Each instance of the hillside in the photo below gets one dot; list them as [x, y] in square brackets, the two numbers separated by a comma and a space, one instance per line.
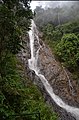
[39, 61]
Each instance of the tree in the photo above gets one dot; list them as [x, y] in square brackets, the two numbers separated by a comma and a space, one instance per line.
[48, 31]
[68, 50]
[15, 19]
[58, 12]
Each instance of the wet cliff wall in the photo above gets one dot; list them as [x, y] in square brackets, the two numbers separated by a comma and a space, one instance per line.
[56, 75]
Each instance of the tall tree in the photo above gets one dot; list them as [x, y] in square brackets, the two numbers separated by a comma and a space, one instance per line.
[15, 19]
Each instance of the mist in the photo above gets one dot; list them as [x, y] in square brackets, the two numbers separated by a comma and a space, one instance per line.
[55, 12]
[51, 4]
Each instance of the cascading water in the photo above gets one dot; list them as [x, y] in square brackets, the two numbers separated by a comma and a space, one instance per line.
[33, 66]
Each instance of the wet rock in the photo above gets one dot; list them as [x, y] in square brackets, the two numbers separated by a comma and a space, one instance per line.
[58, 77]
[55, 75]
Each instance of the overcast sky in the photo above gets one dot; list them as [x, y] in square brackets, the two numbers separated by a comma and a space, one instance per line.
[37, 3]
[48, 3]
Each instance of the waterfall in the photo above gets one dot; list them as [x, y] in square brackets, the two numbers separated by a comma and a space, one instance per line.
[32, 62]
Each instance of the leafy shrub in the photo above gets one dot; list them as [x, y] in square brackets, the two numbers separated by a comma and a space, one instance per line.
[70, 27]
[18, 95]
[48, 31]
[57, 35]
[68, 50]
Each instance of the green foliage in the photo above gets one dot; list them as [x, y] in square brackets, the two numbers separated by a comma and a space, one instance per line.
[55, 33]
[68, 50]
[19, 96]
[51, 35]
[48, 30]
[78, 35]
[70, 27]
[15, 20]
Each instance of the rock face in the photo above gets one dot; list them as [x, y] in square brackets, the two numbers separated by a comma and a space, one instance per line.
[59, 78]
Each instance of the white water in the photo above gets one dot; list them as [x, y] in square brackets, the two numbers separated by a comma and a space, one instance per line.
[33, 66]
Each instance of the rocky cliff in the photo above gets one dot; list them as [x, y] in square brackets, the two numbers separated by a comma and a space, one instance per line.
[59, 78]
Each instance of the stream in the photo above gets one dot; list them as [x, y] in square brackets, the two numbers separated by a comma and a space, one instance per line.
[33, 65]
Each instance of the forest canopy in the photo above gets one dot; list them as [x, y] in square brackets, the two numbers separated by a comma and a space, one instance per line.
[57, 13]
[59, 25]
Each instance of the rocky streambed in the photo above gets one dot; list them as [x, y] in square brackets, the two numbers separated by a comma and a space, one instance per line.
[59, 78]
